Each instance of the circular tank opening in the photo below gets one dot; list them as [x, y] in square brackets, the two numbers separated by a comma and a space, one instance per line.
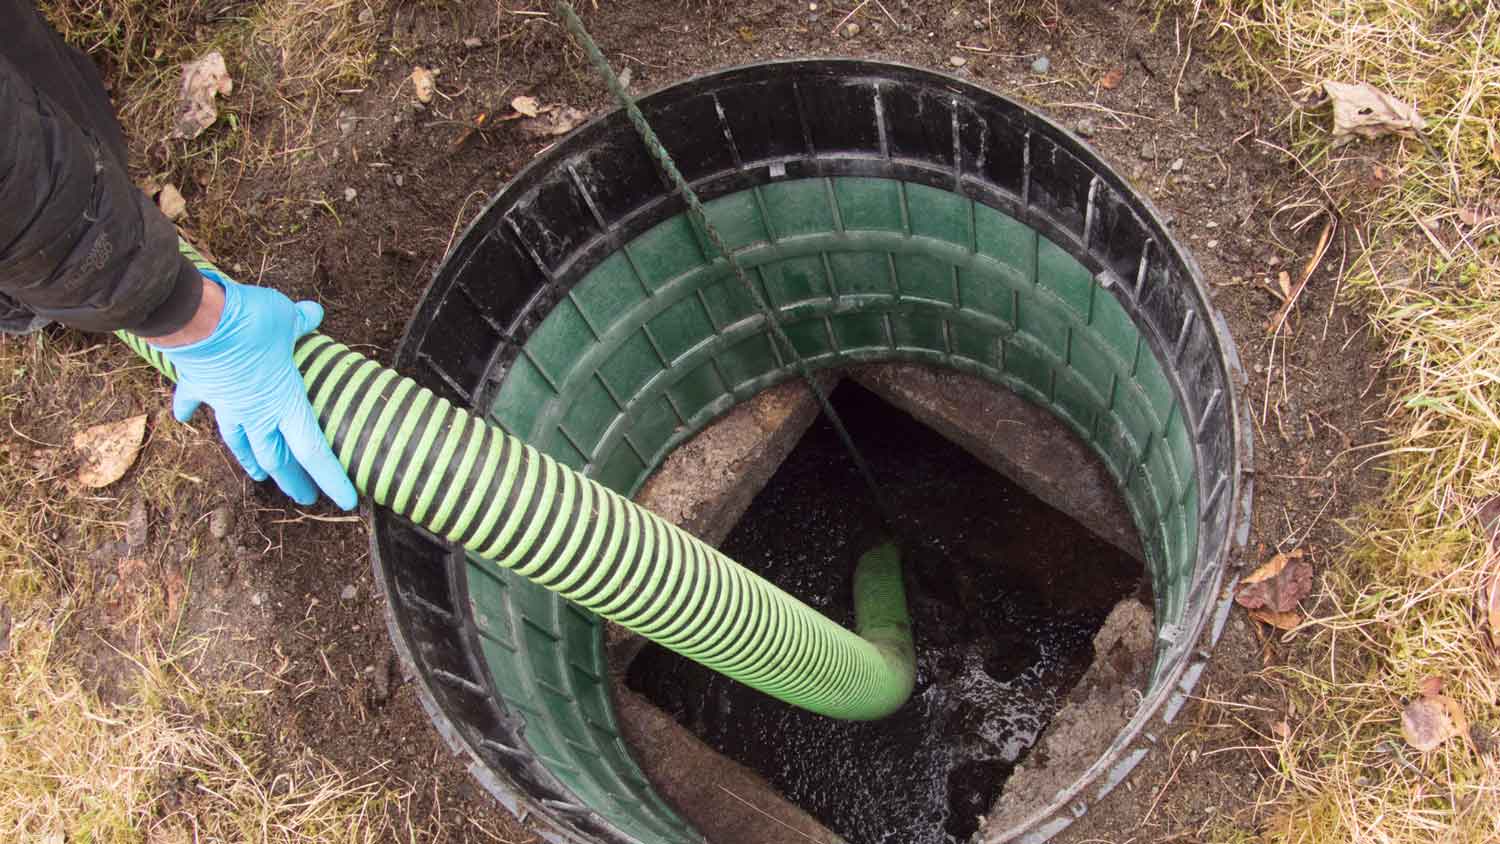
[888, 214]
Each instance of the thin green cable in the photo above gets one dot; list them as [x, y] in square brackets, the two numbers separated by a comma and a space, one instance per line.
[699, 216]
[463, 478]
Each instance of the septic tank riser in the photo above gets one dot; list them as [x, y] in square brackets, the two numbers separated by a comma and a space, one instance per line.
[889, 214]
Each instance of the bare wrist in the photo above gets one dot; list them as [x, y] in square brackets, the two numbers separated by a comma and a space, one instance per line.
[201, 324]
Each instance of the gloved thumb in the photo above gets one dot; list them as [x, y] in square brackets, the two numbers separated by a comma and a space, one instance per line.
[309, 317]
[184, 405]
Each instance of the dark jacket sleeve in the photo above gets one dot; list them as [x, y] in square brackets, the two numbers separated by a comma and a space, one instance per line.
[79, 243]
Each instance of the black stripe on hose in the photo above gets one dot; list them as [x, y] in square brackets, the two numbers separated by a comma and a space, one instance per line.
[469, 538]
[615, 522]
[457, 426]
[687, 620]
[336, 390]
[594, 598]
[699, 634]
[335, 355]
[661, 567]
[740, 619]
[553, 472]
[407, 449]
[591, 493]
[574, 513]
[466, 433]
[361, 447]
[518, 487]
[672, 544]
[753, 651]
[351, 412]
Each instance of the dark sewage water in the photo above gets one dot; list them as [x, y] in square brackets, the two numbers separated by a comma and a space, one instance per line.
[1005, 594]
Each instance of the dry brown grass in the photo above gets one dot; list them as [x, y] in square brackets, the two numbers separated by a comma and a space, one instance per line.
[155, 754]
[1403, 604]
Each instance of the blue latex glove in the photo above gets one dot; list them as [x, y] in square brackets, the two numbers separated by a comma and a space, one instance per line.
[244, 370]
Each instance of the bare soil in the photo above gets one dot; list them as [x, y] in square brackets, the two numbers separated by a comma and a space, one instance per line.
[1200, 149]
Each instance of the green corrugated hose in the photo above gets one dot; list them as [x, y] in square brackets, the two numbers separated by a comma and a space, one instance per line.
[461, 477]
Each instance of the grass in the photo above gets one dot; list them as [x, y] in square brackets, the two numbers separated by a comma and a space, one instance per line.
[107, 734]
[1403, 603]
[113, 725]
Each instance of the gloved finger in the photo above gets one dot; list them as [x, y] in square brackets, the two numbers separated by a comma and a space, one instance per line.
[239, 446]
[184, 405]
[309, 317]
[310, 448]
[274, 456]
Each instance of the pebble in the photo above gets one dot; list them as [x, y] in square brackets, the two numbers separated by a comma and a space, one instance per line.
[400, 180]
[349, 194]
[257, 598]
[851, 30]
[1212, 244]
[380, 684]
[348, 593]
[1041, 65]
[1084, 128]
[957, 61]
[220, 521]
[137, 529]
[1177, 164]
[366, 15]
[471, 42]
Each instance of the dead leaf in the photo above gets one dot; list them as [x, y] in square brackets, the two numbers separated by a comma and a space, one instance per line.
[747, 34]
[1278, 620]
[1431, 686]
[1112, 78]
[202, 80]
[1427, 722]
[556, 121]
[1284, 283]
[1278, 585]
[527, 106]
[1364, 110]
[423, 84]
[109, 450]
[171, 203]
[1282, 729]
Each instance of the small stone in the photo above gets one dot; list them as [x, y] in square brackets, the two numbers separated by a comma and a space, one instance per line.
[257, 598]
[349, 194]
[348, 593]
[812, 7]
[1212, 244]
[220, 521]
[851, 30]
[1084, 128]
[380, 684]
[400, 180]
[347, 123]
[1177, 164]
[957, 61]
[1041, 65]
[1148, 150]
[473, 43]
[366, 15]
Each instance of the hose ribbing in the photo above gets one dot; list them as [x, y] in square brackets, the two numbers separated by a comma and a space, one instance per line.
[461, 477]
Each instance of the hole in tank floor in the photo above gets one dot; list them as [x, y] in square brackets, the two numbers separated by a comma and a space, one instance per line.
[1005, 594]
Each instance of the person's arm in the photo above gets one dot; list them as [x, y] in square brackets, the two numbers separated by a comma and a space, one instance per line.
[79, 243]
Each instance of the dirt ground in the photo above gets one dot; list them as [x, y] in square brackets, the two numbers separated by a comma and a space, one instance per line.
[385, 186]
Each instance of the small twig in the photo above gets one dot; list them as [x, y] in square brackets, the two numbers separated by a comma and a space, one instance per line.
[768, 815]
[303, 517]
[1324, 240]
[1163, 792]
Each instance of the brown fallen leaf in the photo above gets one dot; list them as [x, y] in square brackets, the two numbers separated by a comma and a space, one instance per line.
[171, 203]
[1278, 585]
[423, 84]
[1278, 620]
[202, 80]
[1112, 78]
[1282, 729]
[746, 34]
[1427, 722]
[1431, 686]
[556, 121]
[109, 450]
[1364, 110]
[527, 106]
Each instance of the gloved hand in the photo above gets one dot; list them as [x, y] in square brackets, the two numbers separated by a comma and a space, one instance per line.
[244, 370]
